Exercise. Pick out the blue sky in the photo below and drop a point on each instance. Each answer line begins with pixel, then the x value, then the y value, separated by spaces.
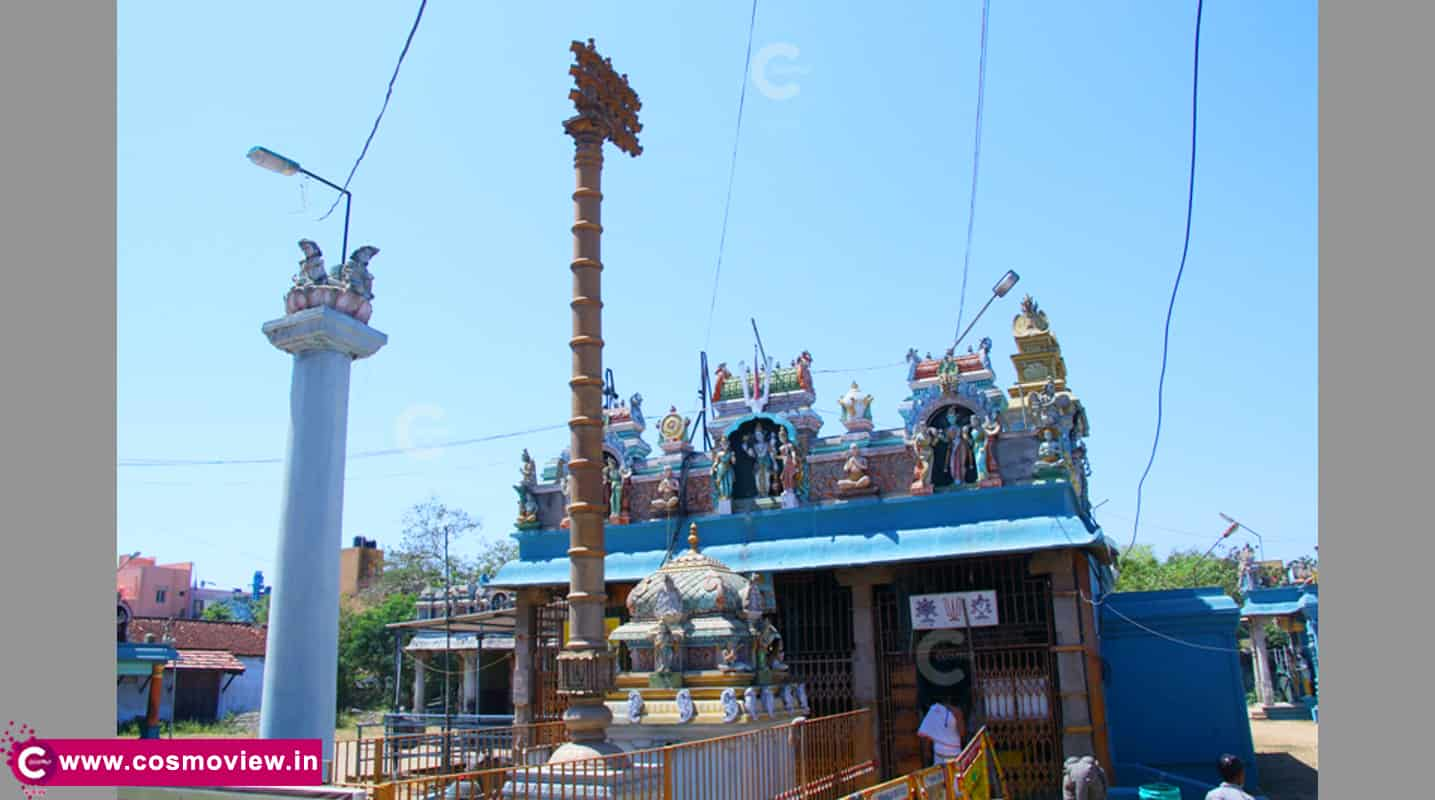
pixel 846 236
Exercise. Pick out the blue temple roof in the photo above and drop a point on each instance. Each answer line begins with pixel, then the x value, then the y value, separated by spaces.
pixel 877 531
pixel 1282 601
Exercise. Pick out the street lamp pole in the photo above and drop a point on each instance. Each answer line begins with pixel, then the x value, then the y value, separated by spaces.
pixel 1003 286
pixel 1261 543
pixel 272 161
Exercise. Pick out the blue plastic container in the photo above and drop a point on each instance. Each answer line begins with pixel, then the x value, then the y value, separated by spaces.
pixel 1159 791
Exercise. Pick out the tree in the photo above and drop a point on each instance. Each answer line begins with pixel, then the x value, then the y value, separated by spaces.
pixel 494 555
pixel 259 611
pixel 1141 571
pixel 218 612
pixel 418 562
pixel 366 651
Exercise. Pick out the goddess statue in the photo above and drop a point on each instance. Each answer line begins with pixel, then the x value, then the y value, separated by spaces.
pixel 922 466
pixel 614 480
pixel 791 462
pixel 527 501
pixel 959 455
pixel 760 452
pixel 722 469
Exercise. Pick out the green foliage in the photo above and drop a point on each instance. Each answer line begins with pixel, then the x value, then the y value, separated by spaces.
pixel 1141 571
pixel 366 651
pixel 219 612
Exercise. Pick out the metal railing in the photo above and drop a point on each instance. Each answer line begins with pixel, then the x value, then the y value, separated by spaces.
pixel 384 759
pixel 823 759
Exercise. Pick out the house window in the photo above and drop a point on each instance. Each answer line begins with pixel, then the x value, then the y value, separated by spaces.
pixel 159 596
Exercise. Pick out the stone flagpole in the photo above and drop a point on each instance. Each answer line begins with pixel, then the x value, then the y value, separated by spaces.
pixel 607 111
pixel 325 330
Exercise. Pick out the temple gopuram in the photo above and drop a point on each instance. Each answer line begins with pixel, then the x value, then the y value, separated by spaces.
pixel 942 559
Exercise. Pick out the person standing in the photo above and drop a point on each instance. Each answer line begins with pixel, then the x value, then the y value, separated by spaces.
pixel 1233 778
pixel 946 727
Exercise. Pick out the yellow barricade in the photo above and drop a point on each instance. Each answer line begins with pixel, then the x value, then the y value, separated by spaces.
pixel 969 776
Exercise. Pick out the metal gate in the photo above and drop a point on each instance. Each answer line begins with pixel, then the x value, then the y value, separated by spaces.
pixel 549 705
pixel 815 618
pixel 1012 687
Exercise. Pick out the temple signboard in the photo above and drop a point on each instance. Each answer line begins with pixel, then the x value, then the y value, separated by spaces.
pixel 953 610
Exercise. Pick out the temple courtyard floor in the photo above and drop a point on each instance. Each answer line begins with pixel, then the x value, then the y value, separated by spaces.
pixel 1287 755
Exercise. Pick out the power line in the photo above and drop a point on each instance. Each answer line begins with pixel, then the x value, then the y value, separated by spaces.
pixel 1171 306
pixel 387 95
pixel 976 160
pixel 732 174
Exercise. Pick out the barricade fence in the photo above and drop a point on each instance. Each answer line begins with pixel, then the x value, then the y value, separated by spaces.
pixel 384 759
pixel 826 758
pixel 976 774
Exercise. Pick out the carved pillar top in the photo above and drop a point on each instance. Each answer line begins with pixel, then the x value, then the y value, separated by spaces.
pixel 324 328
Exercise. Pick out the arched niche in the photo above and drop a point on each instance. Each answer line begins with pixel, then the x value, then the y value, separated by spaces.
pixel 743 483
pixel 943 418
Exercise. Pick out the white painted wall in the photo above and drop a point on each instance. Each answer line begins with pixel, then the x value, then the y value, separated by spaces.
pixel 132 698
pixel 246 690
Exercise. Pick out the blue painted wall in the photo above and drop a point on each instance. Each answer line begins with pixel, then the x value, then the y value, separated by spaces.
pixel 1172 707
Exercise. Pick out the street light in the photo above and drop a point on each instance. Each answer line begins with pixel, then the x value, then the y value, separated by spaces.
pixel 1000 290
pixel 1235 524
pixel 272 161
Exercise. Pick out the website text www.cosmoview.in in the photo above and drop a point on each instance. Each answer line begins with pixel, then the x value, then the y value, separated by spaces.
pixel 171 762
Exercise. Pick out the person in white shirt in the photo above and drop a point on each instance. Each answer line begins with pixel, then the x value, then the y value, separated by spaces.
pixel 946 727
pixel 1233 778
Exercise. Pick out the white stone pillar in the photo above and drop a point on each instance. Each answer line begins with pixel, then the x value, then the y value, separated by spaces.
pixel 1260 662
pixel 301 664
pixel 470 690
pixel 420 673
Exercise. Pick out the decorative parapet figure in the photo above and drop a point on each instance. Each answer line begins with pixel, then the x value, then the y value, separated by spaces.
pixel 625 513
pixel 527 500
pixel 791 475
pixel 753 605
pixel 686 709
pixel 749 701
pixel 983 433
pixel 731 710
pixel 667 500
pixel 804 371
pixel 857 482
pixel 673 431
pixel 663 651
pixel 565 485
pixel 948 372
pixel 614 481
pixel 856 410
pixel 635 706
pixel 669 604
pixel 922 454
pixel 349 289
pixel 720 377
pixel 1051 462
pixel 722 476
pixel 1246 578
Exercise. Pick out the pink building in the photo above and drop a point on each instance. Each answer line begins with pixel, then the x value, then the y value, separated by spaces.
pixel 155 590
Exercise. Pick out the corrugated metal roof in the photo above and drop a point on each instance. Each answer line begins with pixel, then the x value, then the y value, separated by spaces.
pixel 883 530
pixel 1281 601
pixel 460 641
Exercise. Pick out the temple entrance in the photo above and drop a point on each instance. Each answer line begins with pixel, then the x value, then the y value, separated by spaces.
pixel 814 614
pixel 743 441
pixel 942 452
pixel 548 704
pixel 1007 677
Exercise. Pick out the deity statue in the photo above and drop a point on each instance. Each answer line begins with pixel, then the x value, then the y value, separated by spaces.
pixel 769 701
pixel 855 470
pixel 686 709
pixel 790 476
pixel 913 359
pixel 720 377
pixel 804 371
pixel 669 602
pixel 311 269
pixel 613 479
pixel 356 276
pixel 662 650
pixel 922 460
pixel 753 605
pixel 789 698
pixel 802 695
pixel 856 409
pixel 991 429
pixel 948 372
pixel 1246 570
pixel 635 410
pixel 626 491
pixel 1050 460
pixel 730 708
pixel 667 499
pixel 722 469
pixel 527 501
pixel 959 451
pixel 749 700
pixel 565 485
pixel 730 660
pixel 758 449
pixel 635 705
pixel 978 433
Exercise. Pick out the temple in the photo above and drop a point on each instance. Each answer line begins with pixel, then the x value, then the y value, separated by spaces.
pixel 972 519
